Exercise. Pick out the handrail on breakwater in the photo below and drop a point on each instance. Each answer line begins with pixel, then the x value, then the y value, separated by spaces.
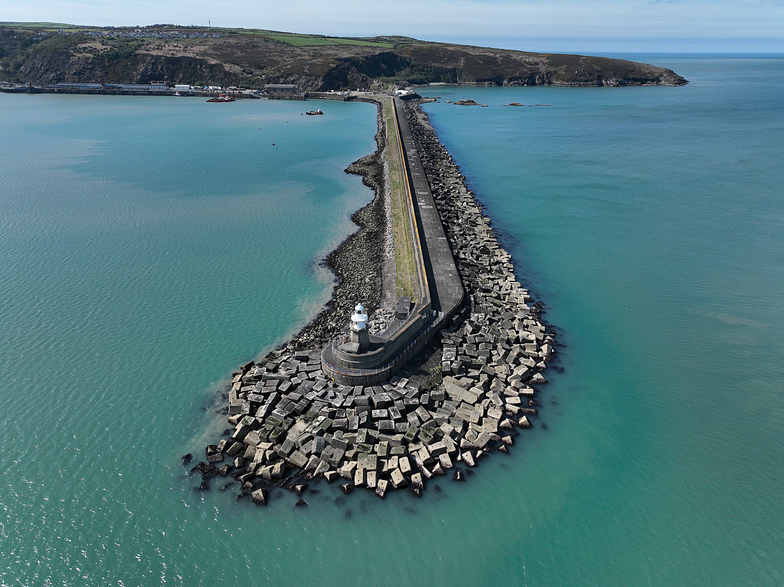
pixel 390 332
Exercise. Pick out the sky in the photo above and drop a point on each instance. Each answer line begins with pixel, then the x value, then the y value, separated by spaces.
pixel 661 26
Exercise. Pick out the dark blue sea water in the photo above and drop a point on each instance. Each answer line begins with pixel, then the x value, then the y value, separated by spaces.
pixel 149 246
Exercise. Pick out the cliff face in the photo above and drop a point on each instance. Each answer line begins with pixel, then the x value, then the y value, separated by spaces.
pixel 42 55
pixel 59 66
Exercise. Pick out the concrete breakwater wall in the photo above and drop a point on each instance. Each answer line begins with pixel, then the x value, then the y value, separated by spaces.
pixel 292 424
pixel 503 338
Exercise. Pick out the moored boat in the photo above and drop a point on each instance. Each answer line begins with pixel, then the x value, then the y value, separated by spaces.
pixel 222 98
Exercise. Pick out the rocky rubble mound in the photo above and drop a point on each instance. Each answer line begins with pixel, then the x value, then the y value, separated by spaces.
pixel 503 337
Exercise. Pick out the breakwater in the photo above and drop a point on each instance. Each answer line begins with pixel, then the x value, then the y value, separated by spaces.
pixel 292 423
pixel 440 289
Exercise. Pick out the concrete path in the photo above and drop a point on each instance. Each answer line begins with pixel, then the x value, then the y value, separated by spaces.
pixel 446 288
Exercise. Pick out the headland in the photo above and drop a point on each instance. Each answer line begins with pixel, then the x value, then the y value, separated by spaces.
pixel 46 54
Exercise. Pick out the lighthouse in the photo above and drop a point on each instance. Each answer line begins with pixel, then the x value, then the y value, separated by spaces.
pixel 359 332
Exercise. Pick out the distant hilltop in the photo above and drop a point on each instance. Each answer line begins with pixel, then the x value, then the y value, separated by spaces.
pixel 50 53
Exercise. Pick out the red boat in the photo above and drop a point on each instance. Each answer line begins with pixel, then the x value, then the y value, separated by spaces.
pixel 222 98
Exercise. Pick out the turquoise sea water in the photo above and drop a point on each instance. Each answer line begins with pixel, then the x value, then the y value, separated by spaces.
pixel 149 246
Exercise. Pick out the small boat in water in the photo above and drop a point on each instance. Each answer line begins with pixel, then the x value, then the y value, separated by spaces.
pixel 222 98
pixel 314 112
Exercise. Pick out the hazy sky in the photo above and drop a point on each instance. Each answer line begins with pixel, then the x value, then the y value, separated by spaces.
pixel 536 25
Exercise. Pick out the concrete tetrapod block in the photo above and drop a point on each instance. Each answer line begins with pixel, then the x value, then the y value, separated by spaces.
pixel 382 449
pixel 512 409
pixel 424 456
pixel 451 445
pixel 371 479
pixel 482 440
pixel 445 461
pixel 437 448
pixel 297 459
pixel 398 479
pixel 370 461
pixel 278 469
pixel 393 462
pixel 259 497
pixel 312 463
pixel 347 470
pixel 322 468
pixel 359 477
pixel 494 413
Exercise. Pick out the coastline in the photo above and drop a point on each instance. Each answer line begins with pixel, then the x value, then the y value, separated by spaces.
pixel 455 401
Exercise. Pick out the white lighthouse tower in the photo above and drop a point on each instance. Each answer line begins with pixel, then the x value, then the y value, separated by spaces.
pixel 359 331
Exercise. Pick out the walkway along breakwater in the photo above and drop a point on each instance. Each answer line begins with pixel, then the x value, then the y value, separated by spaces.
pixel 295 418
